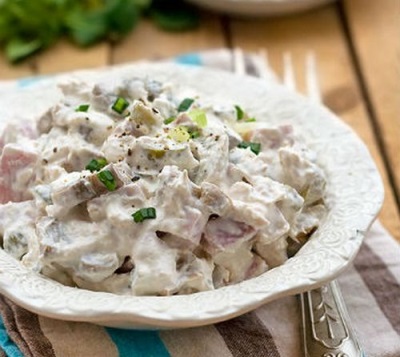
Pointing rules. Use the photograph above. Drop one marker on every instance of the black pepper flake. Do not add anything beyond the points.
(213, 217)
(245, 180)
(87, 118)
(217, 138)
(54, 150)
(137, 126)
(138, 167)
(161, 234)
(126, 267)
(134, 179)
(45, 161)
(155, 110)
(129, 152)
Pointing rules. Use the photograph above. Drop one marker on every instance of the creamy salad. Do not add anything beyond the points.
(136, 187)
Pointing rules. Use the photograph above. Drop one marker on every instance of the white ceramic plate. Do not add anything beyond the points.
(354, 196)
(259, 7)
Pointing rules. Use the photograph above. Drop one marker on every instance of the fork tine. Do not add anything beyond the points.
(288, 73)
(313, 90)
(239, 64)
(263, 64)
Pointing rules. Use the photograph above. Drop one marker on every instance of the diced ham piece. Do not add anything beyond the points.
(222, 232)
(17, 164)
(10, 132)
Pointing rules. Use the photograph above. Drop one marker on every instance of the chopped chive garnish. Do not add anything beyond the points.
(185, 104)
(194, 134)
(169, 120)
(144, 213)
(239, 113)
(107, 178)
(96, 165)
(254, 147)
(199, 117)
(250, 120)
(120, 105)
(82, 108)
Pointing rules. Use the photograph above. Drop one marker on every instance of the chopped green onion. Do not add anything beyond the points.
(254, 147)
(120, 105)
(82, 108)
(239, 113)
(169, 120)
(180, 134)
(199, 117)
(96, 165)
(107, 178)
(185, 104)
(194, 134)
(144, 213)
(250, 120)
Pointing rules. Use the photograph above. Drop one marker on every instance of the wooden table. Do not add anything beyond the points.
(357, 45)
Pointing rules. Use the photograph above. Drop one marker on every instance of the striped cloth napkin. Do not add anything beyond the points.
(370, 286)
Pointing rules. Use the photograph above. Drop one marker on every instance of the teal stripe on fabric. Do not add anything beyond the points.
(8, 346)
(189, 58)
(132, 343)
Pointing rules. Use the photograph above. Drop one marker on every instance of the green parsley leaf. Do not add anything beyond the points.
(96, 165)
(185, 104)
(107, 179)
(254, 147)
(143, 214)
(120, 105)
(82, 108)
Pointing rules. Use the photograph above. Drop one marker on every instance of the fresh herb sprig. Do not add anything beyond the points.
(27, 26)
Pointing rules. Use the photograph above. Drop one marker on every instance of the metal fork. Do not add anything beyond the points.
(326, 326)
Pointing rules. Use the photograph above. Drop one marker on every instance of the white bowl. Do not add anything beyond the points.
(257, 8)
(354, 196)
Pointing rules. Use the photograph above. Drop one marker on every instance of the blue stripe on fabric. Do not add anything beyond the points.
(132, 343)
(8, 346)
(190, 58)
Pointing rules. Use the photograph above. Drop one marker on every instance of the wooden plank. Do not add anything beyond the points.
(375, 33)
(320, 31)
(10, 71)
(149, 42)
(65, 56)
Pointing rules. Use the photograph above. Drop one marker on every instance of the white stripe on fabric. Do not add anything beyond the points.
(369, 322)
(283, 319)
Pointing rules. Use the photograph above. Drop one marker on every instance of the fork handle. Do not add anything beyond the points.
(327, 331)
